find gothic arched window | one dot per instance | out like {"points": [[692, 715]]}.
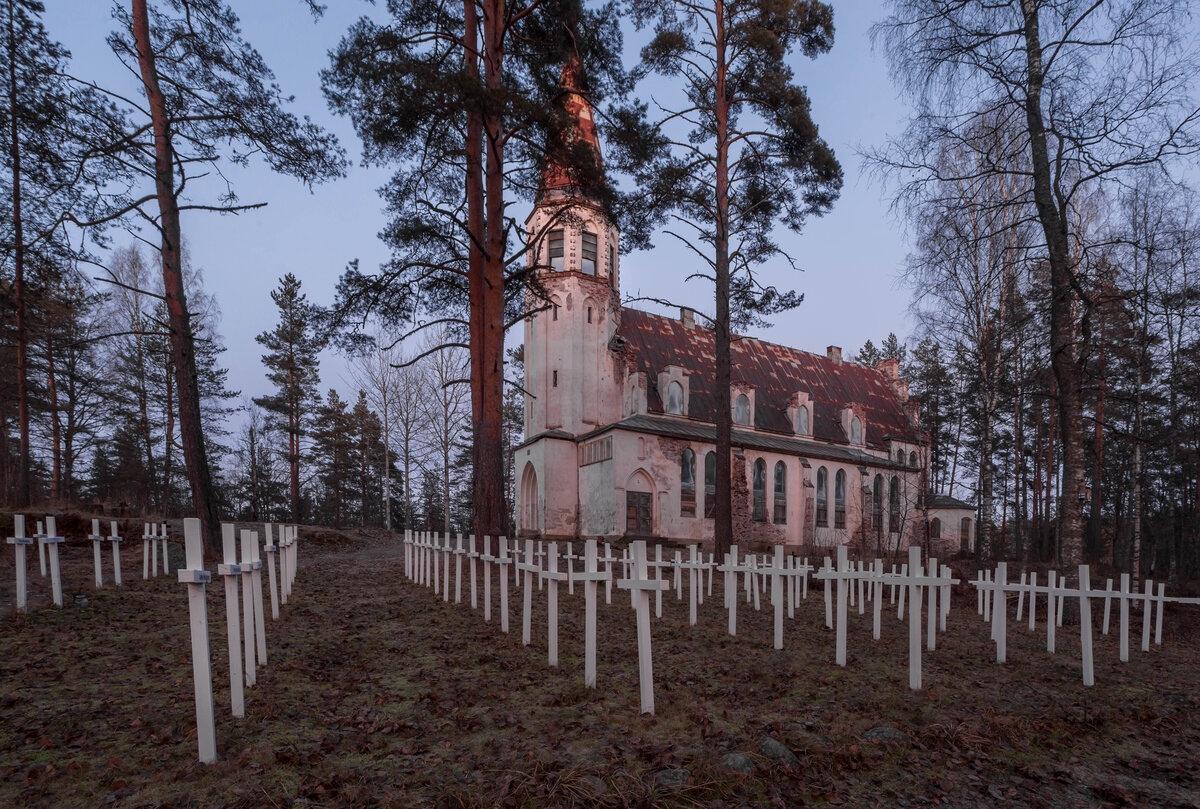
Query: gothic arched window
{"points": [[710, 485], [822, 496], [877, 504], [687, 483], [912, 458], [675, 399], [780, 493], [894, 506], [588, 264], [760, 490], [839, 499], [741, 410], [856, 430], [935, 528], [802, 420], [964, 536]]}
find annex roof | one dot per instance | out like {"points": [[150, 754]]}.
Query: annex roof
{"points": [[652, 342]]}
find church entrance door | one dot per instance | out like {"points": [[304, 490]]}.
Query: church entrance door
{"points": [[638, 513]]}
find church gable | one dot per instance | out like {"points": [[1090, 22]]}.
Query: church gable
{"points": [[774, 372]]}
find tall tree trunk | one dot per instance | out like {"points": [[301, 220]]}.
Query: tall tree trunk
{"points": [[723, 515], [488, 420], [55, 423], [1063, 354], [183, 352], [168, 439], [293, 439], [1095, 532], [23, 487]]}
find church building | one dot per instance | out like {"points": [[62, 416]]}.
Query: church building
{"points": [[619, 411]]}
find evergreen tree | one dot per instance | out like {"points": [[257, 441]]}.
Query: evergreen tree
{"points": [[293, 368]]}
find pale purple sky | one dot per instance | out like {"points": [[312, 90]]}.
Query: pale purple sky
{"points": [[851, 256]]}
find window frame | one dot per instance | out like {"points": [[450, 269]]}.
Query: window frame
{"points": [[779, 500], [687, 491], [584, 252], [557, 244]]}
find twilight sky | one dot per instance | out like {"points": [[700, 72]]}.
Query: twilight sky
{"points": [[850, 257]]}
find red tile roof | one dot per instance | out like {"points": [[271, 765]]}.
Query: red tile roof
{"points": [[652, 342]]}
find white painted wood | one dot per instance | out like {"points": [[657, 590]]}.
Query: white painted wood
{"points": [[1032, 599], [20, 542], [843, 573], [569, 557], [1051, 610], [231, 572], [640, 584], [1021, 598], [96, 542], [828, 593], [41, 543], [459, 550], [552, 576], [1124, 599], [591, 576], [486, 557], [931, 612], [52, 541], [272, 584], [903, 592], [166, 557], [877, 600], [1159, 616], [248, 632], [1000, 613], [196, 576], [283, 565], [678, 577], [1146, 607], [260, 626], [116, 540], [914, 622], [1107, 603], [1085, 626], [154, 550], [1060, 600], [657, 564], [504, 561], [471, 557], [527, 566], [731, 569], [777, 595]]}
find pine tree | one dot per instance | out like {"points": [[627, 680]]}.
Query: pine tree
{"points": [[293, 368]]}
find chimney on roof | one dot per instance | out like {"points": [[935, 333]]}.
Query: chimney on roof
{"points": [[890, 368], [834, 353], [687, 316]]}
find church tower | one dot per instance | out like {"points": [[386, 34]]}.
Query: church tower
{"points": [[575, 255]]}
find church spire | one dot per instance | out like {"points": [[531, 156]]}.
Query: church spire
{"points": [[574, 167]]}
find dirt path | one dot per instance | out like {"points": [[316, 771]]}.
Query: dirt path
{"points": [[378, 694]]}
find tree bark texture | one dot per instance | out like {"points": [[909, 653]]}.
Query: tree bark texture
{"points": [[23, 488]]}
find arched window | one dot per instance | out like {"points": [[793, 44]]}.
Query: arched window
{"points": [[760, 490], [588, 264], [839, 499], [877, 505], [802, 420], [556, 249], [912, 458], [710, 485], [894, 506], [780, 493], [822, 496], [741, 410], [900, 455], [935, 528], [856, 430], [612, 259], [687, 483], [675, 398], [964, 535]]}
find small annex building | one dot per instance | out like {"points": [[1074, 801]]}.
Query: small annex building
{"points": [[619, 410]]}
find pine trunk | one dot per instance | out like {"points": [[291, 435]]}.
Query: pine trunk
{"points": [[183, 353], [723, 516]]}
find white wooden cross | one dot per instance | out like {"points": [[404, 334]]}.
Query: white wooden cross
{"points": [[590, 575], [248, 633], [148, 548], [825, 574], [640, 584], [731, 569], [20, 542], [472, 555], [540, 554], [260, 627], [608, 560], [165, 557], [842, 575], [1107, 603], [116, 540], [570, 558], [52, 541], [552, 575], [97, 541], [529, 567], [435, 548], [503, 562], [486, 557], [678, 569], [230, 571], [40, 536], [658, 565], [195, 576], [778, 572], [459, 550], [447, 552], [695, 568], [270, 548]]}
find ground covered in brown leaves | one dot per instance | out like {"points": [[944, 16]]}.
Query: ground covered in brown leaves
{"points": [[378, 694]]}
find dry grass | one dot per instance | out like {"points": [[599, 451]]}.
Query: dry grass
{"points": [[378, 694]]}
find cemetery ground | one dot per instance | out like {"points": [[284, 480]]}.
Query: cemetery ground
{"points": [[379, 693]]}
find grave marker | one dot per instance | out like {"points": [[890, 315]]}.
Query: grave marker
{"points": [[260, 627], [590, 576], [504, 561], [640, 585], [459, 550], [487, 559], [97, 540], [248, 635], [472, 556], [52, 541], [230, 571], [553, 577], [270, 548], [527, 566], [41, 536], [116, 540], [19, 542], [195, 576]]}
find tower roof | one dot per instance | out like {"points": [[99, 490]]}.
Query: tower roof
{"points": [[574, 166]]}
